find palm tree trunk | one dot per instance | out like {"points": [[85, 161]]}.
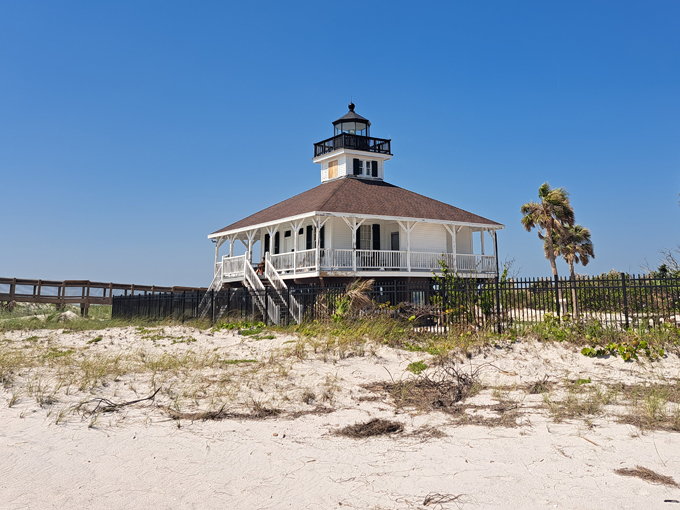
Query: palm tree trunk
{"points": [[553, 265], [574, 296]]}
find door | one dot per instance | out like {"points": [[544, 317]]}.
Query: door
{"points": [[394, 246], [395, 241]]}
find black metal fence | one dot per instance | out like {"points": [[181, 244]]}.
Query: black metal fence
{"points": [[621, 300]]}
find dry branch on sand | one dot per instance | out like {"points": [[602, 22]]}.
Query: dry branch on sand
{"points": [[647, 475], [434, 498], [105, 405]]}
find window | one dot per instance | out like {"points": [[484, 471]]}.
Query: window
{"points": [[363, 167], [310, 238], [365, 237]]}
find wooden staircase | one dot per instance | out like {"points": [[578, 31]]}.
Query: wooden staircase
{"points": [[268, 291]]}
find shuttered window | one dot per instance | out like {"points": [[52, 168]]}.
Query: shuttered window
{"points": [[357, 166], [266, 243], [374, 168], [365, 238], [277, 243]]}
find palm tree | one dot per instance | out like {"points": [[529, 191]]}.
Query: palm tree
{"points": [[575, 246], [550, 215]]}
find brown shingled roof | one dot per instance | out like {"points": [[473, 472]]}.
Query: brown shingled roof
{"points": [[358, 196]]}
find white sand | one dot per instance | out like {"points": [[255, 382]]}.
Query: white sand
{"points": [[138, 457]]}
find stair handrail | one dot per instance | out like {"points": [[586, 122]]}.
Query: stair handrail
{"points": [[273, 310], [253, 282], [216, 284], [282, 289]]}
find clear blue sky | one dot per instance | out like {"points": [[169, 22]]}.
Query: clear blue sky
{"points": [[131, 130]]}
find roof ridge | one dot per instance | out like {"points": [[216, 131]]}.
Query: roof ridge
{"points": [[333, 193]]}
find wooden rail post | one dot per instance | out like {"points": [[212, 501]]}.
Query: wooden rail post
{"points": [[625, 298], [85, 305], [62, 300]]}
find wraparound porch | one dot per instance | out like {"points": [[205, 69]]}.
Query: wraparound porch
{"points": [[361, 263]]}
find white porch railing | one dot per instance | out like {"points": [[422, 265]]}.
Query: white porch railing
{"points": [[305, 260], [430, 261], [365, 259], [283, 261], [300, 262], [232, 267], [336, 260], [476, 263]]}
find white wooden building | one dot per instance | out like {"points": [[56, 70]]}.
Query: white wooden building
{"points": [[353, 225]]}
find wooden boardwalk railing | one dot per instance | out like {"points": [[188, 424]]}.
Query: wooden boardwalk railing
{"points": [[71, 292]]}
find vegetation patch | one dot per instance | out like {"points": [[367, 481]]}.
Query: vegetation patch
{"points": [[539, 387], [374, 427], [417, 367], [627, 351], [581, 401], [446, 386]]}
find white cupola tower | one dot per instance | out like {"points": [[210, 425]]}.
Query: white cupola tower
{"points": [[352, 151]]}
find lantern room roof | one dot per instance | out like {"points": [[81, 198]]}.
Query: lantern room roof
{"points": [[350, 116]]}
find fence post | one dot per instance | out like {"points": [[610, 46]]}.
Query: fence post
{"points": [[212, 304], [498, 306], [625, 297], [557, 295]]}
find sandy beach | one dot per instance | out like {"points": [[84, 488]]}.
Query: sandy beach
{"points": [[256, 421]]}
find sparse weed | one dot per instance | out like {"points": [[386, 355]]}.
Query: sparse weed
{"points": [[417, 367]]}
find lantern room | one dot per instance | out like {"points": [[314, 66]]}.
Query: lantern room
{"points": [[352, 123]]}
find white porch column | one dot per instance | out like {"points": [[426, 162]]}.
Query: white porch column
{"points": [[218, 243], [453, 230], [318, 223], [408, 227], [354, 226], [272, 232], [231, 246], [249, 244], [295, 227], [481, 233]]}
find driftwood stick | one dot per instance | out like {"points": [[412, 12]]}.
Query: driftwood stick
{"points": [[104, 405]]}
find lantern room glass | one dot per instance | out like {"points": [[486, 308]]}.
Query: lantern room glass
{"points": [[352, 128]]}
